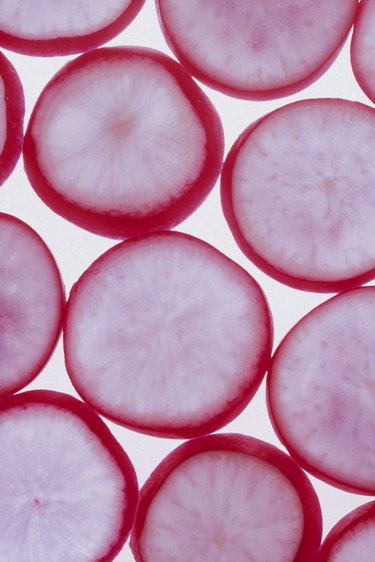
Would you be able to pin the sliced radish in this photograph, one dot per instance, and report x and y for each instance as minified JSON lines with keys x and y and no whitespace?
{"x":298,"y":194}
{"x":321,"y":391}
{"x":31,"y":304}
{"x":363,"y":48}
{"x":227,"y":498}
{"x":352,"y":539}
{"x":12,"y":109}
{"x":122,"y":141}
{"x":59,"y":28}
{"x":167,"y":336}
{"x":68,"y":491}
{"x":260,"y":49}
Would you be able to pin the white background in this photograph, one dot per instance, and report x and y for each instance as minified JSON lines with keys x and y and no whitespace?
{"x":74,"y":248}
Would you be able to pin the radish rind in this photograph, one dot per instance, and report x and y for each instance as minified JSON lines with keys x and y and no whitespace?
{"x":298,"y":194}
{"x":184,"y":335}
{"x":227,"y":497}
{"x":68,"y":490}
{"x":256,"y":50}
{"x":362,"y":50}
{"x":320,"y":391}
{"x":150,"y":151}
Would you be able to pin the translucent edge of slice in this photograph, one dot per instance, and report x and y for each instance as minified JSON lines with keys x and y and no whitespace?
{"x":359,"y":74}
{"x":312,"y":527}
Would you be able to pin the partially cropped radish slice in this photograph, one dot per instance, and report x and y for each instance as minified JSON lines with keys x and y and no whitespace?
{"x":321,"y":391}
{"x":31,"y":304}
{"x":59,"y":28}
{"x":68,"y":491}
{"x":352,"y":539}
{"x":260,"y":49}
{"x":298,"y":194}
{"x":12,"y":109}
{"x":227,"y":498}
{"x":363,"y":48}
{"x":166,"y":335}
{"x":122,"y":142}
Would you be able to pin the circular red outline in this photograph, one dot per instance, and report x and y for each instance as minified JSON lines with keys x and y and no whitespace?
{"x":359,"y":74}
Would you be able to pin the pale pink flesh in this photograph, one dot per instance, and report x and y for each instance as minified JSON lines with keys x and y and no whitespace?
{"x":363,"y":48}
{"x":357,"y":545}
{"x":3,"y":116}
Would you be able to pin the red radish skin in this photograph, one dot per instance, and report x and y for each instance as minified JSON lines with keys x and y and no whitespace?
{"x":227,"y":497}
{"x":49,"y":29}
{"x":362,"y":49}
{"x":134,"y":167}
{"x":320,"y":391}
{"x":352,"y":539}
{"x":256,"y":50}
{"x":301,"y":208}
{"x":68,"y":489}
{"x":32,"y":302}
{"x":167,"y":336}
{"x":12,"y":110}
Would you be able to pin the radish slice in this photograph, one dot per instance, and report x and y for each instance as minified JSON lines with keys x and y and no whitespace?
{"x":298,"y":194}
{"x":260,"y":49}
{"x":59,"y":28}
{"x":12,"y":109}
{"x":353,"y":538}
{"x":167,"y":336}
{"x":148,"y":154}
{"x":363,"y":48}
{"x":68,"y":491}
{"x":227,"y":498}
{"x":321,"y":391}
{"x":31,"y":304}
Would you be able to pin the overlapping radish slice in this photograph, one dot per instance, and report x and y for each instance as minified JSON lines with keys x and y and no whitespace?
{"x":12,"y":109}
{"x":363,"y":48}
{"x":31,"y":304}
{"x":298,"y":194}
{"x":167,"y":336}
{"x":122,"y":142}
{"x":68,"y":491}
{"x":59,"y":28}
{"x":321,"y":391}
{"x":352,"y":539}
{"x":258,"y":50}
{"x":227,"y":497}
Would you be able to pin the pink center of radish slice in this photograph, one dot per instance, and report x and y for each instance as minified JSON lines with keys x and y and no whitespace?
{"x":221,"y":506}
{"x":3,"y":116}
{"x":357,"y":544}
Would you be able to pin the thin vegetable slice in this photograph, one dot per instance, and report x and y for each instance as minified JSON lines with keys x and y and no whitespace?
{"x":167,"y":336}
{"x":122,"y":142}
{"x":68,"y":491}
{"x":352,"y":538}
{"x":260,"y":49}
{"x":298,"y":195}
{"x":60,"y":28}
{"x":363,"y":48}
{"x":31,"y":304}
{"x":320,"y":391}
{"x":227,"y":497}
{"x":12,"y":109}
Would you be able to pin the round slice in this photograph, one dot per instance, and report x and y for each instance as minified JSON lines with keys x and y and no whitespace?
{"x":59,"y":28}
{"x":363,"y":48}
{"x":31,"y":304}
{"x":227,"y":498}
{"x":321,"y":391}
{"x":258,"y":49}
{"x":12,"y":109}
{"x":166,"y":335}
{"x":299,"y":195}
{"x":68,"y":491}
{"x":353,"y":538}
{"x":122,"y":142}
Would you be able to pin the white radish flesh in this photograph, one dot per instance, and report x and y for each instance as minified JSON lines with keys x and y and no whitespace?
{"x":363,"y":48}
{"x":261,"y":49}
{"x":321,"y":397}
{"x":298,"y":194}
{"x":31,"y":304}
{"x":67,"y":489}
{"x":227,"y":497}
{"x":148,"y":153}
{"x":166,"y":335}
